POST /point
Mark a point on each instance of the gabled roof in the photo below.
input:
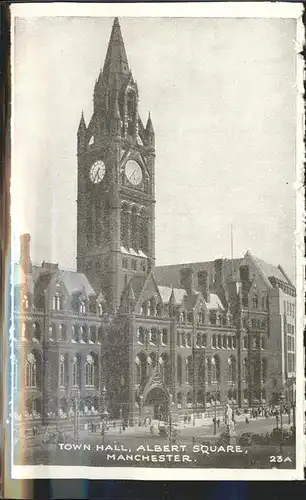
(75, 282)
(190, 301)
(269, 270)
(214, 302)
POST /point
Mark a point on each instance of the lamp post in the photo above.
(76, 416)
(140, 408)
(120, 419)
(194, 393)
(293, 403)
(170, 419)
(215, 413)
(104, 413)
(281, 419)
(215, 409)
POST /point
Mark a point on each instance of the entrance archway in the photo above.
(158, 400)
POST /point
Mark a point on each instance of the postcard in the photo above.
(157, 282)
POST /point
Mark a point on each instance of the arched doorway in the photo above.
(157, 399)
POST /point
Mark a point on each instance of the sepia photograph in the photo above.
(157, 286)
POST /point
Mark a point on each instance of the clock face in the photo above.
(97, 172)
(133, 172)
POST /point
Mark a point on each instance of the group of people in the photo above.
(264, 411)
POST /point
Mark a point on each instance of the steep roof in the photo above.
(269, 270)
(116, 62)
(75, 282)
(214, 302)
(170, 275)
(165, 293)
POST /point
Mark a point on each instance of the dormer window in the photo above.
(100, 309)
(255, 302)
(182, 317)
(201, 318)
(82, 307)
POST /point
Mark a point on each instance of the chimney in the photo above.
(25, 253)
(203, 284)
(187, 279)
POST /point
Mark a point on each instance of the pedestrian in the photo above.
(247, 420)
(218, 423)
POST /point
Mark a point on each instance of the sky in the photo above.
(222, 97)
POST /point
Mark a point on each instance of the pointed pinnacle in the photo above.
(131, 293)
(172, 300)
(82, 123)
(149, 127)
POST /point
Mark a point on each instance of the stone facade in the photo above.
(122, 333)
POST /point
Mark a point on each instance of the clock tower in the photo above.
(116, 185)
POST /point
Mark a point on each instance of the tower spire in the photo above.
(116, 62)
(150, 131)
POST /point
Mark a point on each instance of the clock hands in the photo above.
(96, 176)
(133, 175)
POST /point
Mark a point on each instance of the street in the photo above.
(186, 432)
(90, 449)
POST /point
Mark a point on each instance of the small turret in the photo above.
(81, 133)
(150, 134)
(172, 304)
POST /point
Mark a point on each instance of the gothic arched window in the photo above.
(231, 369)
(89, 371)
(124, 225)
(179, 370)
(215, 369)
(75, 371)
(30, 371)
(140, 335)
(143, 233)
(25, 302)
(189, 370)
(134, 228)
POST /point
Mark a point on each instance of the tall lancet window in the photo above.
(124, 226)
(98, 225)
(131, 111)
(134, 228)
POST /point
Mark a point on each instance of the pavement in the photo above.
(189, 431)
